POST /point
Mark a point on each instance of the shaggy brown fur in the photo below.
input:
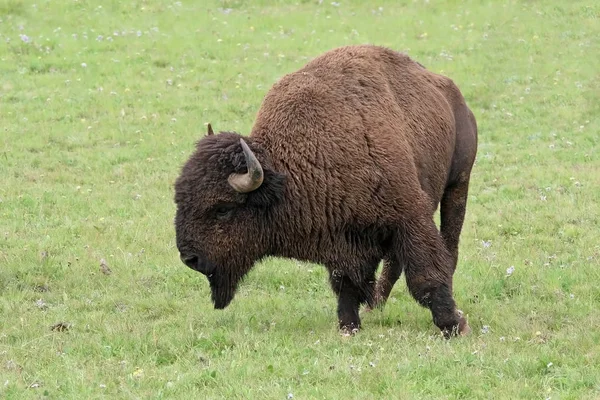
(358, 148)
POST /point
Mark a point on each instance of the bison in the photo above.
(345, 166)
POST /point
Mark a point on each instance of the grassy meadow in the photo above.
(101, 102)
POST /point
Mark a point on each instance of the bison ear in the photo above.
(270, 192)
(210, 131)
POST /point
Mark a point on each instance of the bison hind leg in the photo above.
(390, 273)
(452, 210)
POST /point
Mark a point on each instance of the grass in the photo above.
(101, 103)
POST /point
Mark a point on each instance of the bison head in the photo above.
(226, 197)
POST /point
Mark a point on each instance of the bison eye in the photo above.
(223, 211)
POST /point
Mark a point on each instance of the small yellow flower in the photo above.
(138, 373)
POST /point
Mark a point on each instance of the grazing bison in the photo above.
(345, 166)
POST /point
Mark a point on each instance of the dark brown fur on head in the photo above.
(219, 231)
(358, 149)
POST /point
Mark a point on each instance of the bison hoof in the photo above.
(349, 330)
(462, 329)
(463, 326)
(372, 307)
(378, 303)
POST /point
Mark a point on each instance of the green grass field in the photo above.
(101, 102)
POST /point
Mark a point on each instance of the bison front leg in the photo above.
(351, 294)
(429, 271)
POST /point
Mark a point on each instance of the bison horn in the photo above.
(251, 180)
(210, 131)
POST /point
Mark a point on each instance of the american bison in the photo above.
(345, 166)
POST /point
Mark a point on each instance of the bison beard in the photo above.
(222, 291)
(347, 162)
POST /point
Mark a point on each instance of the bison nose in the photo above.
(190, 261)
(198, 263)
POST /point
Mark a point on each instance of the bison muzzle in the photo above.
(347, 162)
